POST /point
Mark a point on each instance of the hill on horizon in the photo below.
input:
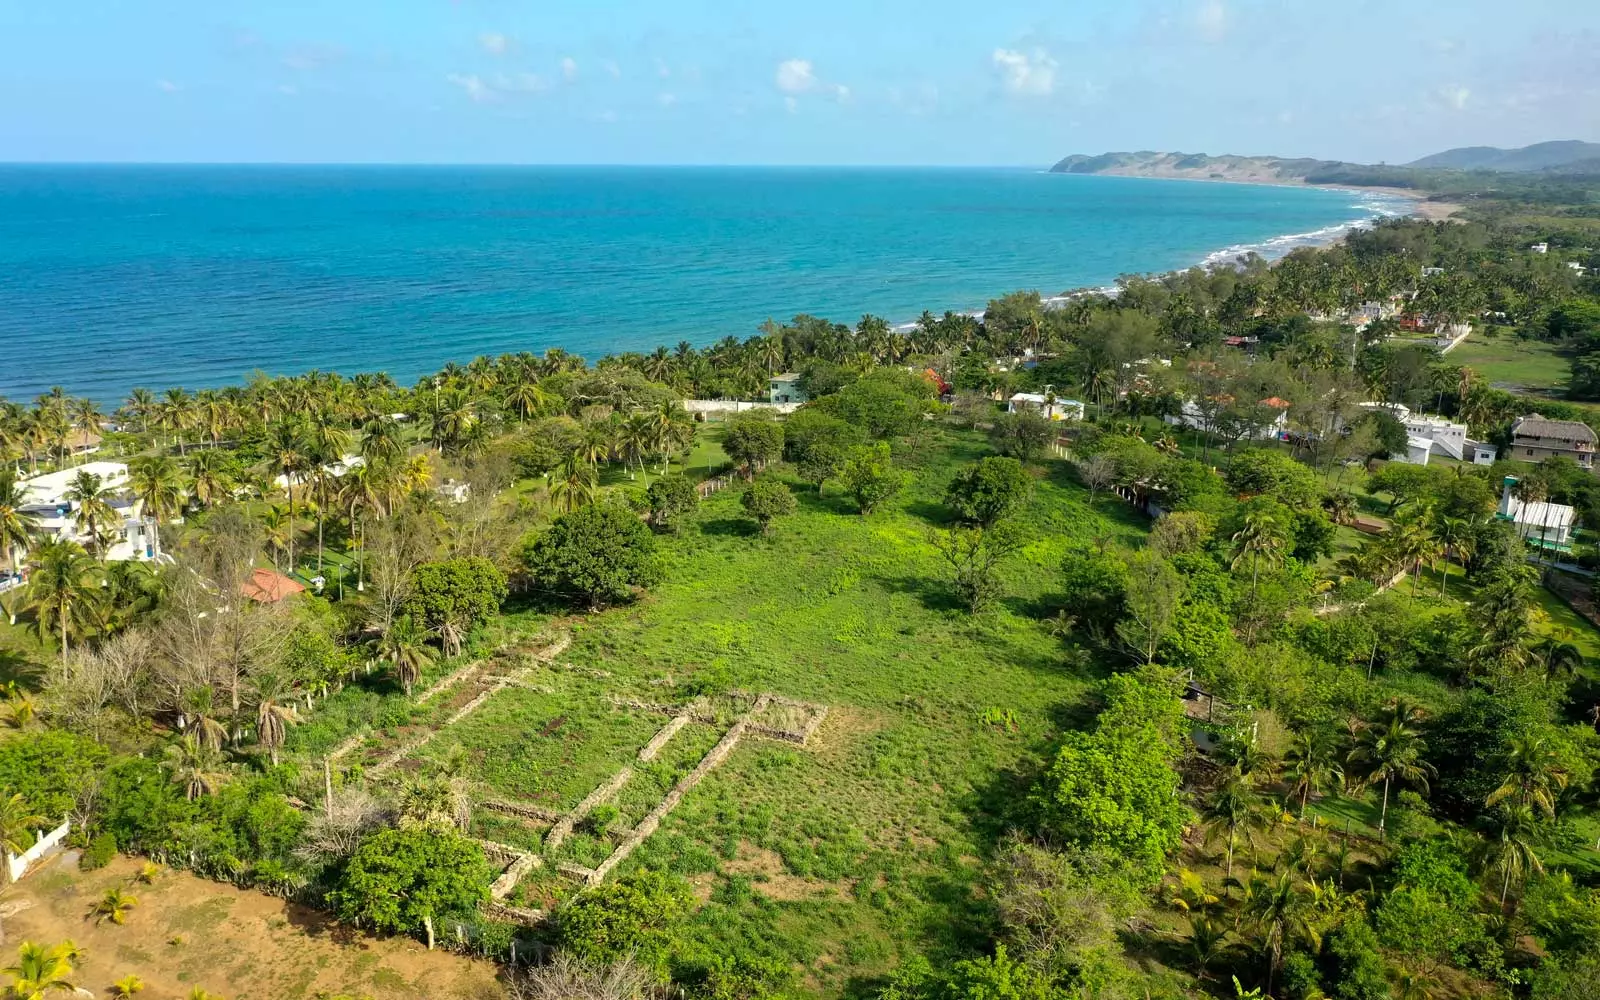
(1561, 154)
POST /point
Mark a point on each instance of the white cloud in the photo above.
(473, 86)
(607, 116)
(795, 76)
(288, 89)
(167, 87)
(666, 100)
(791, 104)
(1454, 97)
(569, 69)
(1212, 20)
(519, 83)
(1026, 74)
(611, 67)
(841, 93)
(495, 43)
(663, 70)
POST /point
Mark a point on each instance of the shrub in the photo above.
(99, 852)
(403, 879)
(1023, 436)
(870, 478)
(596, 554)
(765, 500)
(752, 440)
(638, 915)
(669, 499)
(989, 489)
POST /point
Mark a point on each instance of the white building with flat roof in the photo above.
(1038, 402)
(55, 515)
(1547, 525)
(1447, 438)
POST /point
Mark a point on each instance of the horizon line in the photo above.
(523, 164)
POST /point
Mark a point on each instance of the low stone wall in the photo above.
(521, 809)
(661, 738)
(563, 828)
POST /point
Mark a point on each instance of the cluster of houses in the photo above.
(47, 499)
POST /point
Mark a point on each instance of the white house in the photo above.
(1445, 437)
(1429, 272)
(785, 388)
(135, 538)
(1484, 453)
(1191, 416)
(337, 470)
(453, 491)
(1547, 525)
(1574, 265)
(1540, 248)
(1038, 402)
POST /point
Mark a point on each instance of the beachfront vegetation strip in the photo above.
(907, 694)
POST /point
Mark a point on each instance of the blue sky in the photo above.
(824, 81)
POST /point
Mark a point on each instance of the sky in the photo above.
(936, 82)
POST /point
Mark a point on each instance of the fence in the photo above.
(735, 406)
(17, 866)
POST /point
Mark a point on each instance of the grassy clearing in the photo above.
(1532, 367)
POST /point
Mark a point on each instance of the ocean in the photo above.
(119, 276)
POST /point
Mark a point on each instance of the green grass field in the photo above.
(1531, 367)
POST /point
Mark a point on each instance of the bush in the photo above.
(988, 490)
(669, 499)
(403, 879)
(870, 478)
(766, 499)
(1023, 436)
(454, 597)
(636, 915)
(99, 852)
(752, 440)
(596, 554)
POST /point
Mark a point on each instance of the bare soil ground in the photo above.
(187, 932)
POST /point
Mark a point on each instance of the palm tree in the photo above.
(286, 454)
(17, 826)
(141, 404)
(1515, 837)
(275, 712)
(157, 480)
(127, 986)
(381, 443)
(195, 765)
(17, 526)
(1207, 941)
(210, 477)
(1452, 533)
(1263, 535)
(277, 523)
(1282, 915)
(39, 971)
(92, 512)
(575, 485)
(1313, 765)
(175, 413)
(1233, 806)
(113, 906)
(1559, 654)
(403, 647)
(63, 590)
(1389, 749)
(1534, 776)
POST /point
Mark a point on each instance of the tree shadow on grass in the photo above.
(729, 527)
(25, 672)
(935, 594)
(827, 503)
(936, 514)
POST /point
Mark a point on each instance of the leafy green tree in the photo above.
(973, 555)
(884, 403)
(1312, 765)
(765, 500)
(636, 915)
(1261, 473)
(988, 490)
(17, 526)
(159, 482)
(401, 880)
(870, 477)
(1535, 775)
(752, 440)
(1094, 588)
(670, 498)
(597, 554)
(1023, 435)
(1154, 589)
(452, 598)
(1283, 917)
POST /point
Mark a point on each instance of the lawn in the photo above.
(1531, 367)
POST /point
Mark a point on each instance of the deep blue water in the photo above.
(113, 276)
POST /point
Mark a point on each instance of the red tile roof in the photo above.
(269, 587)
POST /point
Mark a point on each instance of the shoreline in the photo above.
(1423, 206)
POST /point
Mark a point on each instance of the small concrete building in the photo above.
(1058, 409)
(1483, 453)
(785, 388)
(1547, 525)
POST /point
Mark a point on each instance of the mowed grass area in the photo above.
(870, 839)
(1532, 367)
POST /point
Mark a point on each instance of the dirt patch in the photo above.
(768, 876)
(187, 932)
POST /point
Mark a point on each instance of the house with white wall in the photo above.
(134, 539)
(1547, 525)
(1038, 402)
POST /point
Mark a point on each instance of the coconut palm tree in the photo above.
(1453, 533)
(381, 443)
(1263, 536)
(142, 405)
(275, 712)
(63, 590)
(127, 986)
(1312, 765)
(286, 455)
(402, 646)
(211, 477)
(194, 765)
(17, 526)
(1558, 654)
(1231, 808)
(158, 481)
(1515, 836)
(175, 414)
(1535, 776)
(113, 906)
(1389, 749)
(92, 512)
(18, 823)
(1283, 916)
(574, 485)
(39, 971)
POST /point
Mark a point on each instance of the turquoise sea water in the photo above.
(112, 276)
